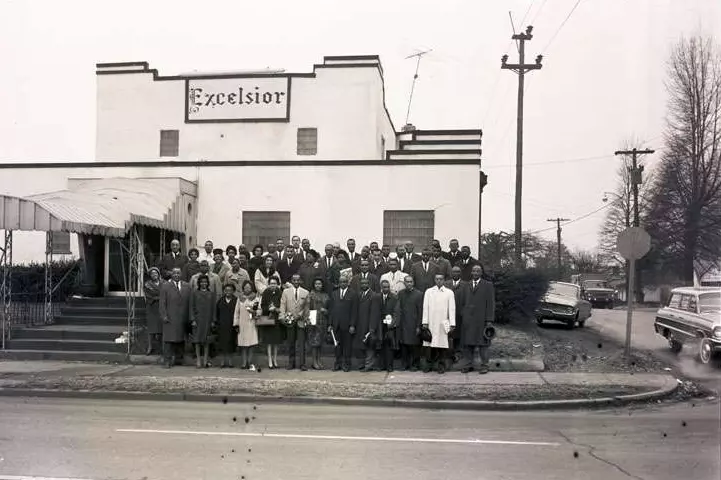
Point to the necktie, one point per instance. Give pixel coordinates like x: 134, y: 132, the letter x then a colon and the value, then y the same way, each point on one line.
x: 475, y: 284
x: 342, y: 294
x: 296, y: 294
x: 177, y: 284
x: 425, y: 267
x: 289, y: 262
x: 365, y: 275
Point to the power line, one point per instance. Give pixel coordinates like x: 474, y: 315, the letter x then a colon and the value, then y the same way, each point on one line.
x: 533, y: 20
x: 561, y: 26
x: 577, y: 219
x: 550, y: 162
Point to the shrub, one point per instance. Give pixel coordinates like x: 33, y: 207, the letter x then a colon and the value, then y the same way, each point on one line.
x: 518, y: 293
x: 29, y: 279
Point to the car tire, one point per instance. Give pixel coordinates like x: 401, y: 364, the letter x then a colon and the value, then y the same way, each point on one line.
x: 705, y: 351
x: 675, y: 345
x: 610, y: 306
x: 581, y: 324
x: 539, y: 321
x: 570, y: 324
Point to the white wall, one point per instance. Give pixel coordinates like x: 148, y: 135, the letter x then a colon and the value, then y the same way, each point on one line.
x: 327, y: 203
x: 344, y: 104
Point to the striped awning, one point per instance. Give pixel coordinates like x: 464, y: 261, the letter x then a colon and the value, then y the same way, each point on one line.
x: 108, y: 207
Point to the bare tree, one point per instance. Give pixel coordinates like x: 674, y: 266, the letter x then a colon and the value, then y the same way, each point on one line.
x: 685, y: 214
x: 588, y: 262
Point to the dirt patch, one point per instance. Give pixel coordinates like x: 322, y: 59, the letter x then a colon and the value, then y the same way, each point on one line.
x: 305, y: 388
x: 514, y: 342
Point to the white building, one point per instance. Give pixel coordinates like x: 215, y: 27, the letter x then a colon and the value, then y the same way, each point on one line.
x: 247, y: 158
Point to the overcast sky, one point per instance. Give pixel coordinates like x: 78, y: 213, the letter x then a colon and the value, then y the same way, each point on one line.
x: 601, y: 82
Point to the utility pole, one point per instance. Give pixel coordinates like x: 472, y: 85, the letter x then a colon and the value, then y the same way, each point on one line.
x: 558, y: 221
x: 521, y: 68
x: 636, y: 177
x: 636, y: 180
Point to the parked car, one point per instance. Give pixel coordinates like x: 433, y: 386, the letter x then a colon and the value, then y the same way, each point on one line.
x: 595, y: 288
x: 563, y: 303
x: 692, y: 316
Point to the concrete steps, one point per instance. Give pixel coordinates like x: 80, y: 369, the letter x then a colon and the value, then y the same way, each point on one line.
x: 66, y: 345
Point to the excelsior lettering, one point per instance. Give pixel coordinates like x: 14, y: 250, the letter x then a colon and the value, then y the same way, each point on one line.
x: 242, y: 96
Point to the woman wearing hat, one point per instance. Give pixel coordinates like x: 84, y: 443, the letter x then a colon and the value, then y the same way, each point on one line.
x: 152, y: 311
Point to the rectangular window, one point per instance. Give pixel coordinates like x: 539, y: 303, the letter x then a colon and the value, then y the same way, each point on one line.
x: 400, y: 226
x: 169, y: 143
x: 307, y: 141
x: 684, y: 302
x: 675, y: 301
x: 61, y: 243
x: 265, y: 227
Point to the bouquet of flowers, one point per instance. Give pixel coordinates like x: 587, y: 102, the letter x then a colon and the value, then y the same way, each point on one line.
x: 288, y: 319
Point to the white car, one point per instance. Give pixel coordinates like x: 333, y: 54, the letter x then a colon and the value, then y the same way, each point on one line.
x: 693, y: 316
x: 563, y: 303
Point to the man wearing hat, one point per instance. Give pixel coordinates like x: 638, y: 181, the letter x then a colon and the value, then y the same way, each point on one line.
x: 479, y: 305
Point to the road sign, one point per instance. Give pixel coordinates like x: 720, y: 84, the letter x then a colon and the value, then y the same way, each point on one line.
x: 633, y: 243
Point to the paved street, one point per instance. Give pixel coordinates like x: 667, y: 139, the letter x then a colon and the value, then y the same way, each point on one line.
x: 612, y: 324
x: 156, y: 440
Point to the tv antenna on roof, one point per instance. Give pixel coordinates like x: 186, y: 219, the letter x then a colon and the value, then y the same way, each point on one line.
x: 418, y: 56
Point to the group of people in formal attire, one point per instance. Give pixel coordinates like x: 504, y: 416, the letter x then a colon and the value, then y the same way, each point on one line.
x: 428, y: 310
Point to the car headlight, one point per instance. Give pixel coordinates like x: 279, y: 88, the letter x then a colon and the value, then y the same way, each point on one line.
x: 717, y: 332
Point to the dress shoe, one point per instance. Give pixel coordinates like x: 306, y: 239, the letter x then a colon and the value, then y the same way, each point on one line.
x: 483, y: 370
x: 290, y: 366
x: 303, y: 368
x: 466, y: 369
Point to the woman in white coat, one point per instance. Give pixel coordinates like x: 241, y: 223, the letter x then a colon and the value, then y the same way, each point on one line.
x: 439, y: 316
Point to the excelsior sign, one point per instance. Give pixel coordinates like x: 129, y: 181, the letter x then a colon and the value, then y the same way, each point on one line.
x: 238, y: 99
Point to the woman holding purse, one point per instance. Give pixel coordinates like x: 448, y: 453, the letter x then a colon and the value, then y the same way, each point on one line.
x: 271, y: 331
x: 318, y: 301
x: 244, y: 323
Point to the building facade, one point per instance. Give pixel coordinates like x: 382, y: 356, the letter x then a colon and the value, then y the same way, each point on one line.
x: 256, y: 156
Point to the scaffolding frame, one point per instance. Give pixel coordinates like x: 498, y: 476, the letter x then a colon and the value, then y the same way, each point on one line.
x: 49, y: 278
x: 6, y: 261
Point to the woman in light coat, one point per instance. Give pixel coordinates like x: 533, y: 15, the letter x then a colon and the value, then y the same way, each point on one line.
x: 247, y: 309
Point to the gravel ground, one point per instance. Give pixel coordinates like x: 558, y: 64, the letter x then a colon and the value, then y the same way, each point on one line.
x: 306, y: 388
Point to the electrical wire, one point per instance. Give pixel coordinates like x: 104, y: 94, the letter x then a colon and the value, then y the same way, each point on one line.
x: 550, y: 162
x: 577, y: 219
x: 573, y: 9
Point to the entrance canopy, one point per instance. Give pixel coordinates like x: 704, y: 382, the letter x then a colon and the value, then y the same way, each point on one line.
x: 106, y: 206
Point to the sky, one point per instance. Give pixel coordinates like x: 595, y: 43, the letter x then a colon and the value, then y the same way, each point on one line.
x: 602, y: 81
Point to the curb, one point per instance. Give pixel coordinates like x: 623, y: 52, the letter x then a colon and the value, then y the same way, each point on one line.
x: 479, y: 405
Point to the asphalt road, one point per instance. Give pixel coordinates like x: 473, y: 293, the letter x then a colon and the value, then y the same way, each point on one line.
x: 612, y: 324
x: 54, y: 438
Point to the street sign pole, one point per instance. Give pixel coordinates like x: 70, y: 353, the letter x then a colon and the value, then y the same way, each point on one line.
x: 630, y: 301
x: 633, y: 243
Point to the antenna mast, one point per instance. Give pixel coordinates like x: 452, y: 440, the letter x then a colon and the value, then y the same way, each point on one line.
x: 418, y: 56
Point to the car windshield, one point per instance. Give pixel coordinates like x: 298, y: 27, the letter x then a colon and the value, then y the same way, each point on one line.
x: 595, y: 284
x: 561, y: 289
x: 709, y: 302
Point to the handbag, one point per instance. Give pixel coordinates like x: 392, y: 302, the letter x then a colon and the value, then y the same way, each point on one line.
x: 265, y: 321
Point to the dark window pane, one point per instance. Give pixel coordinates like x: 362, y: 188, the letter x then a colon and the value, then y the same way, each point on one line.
x: 307, y: 141
x: 265, y: 227
x: 61, y: 243
x: 401, y: 226
x: 169, y: 143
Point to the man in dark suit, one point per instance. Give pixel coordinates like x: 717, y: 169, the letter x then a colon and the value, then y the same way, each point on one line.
x: 364, y: 255
x: 343, y: 320
x: 352, y: 254
x: 174, y: 259
x: 287, y: 265
x: 385, y: 253
x: 479, y: 305
x: 453, y: 255
x: 373, y: 279
x: 174, y: 313
x: 368, y: 327
x: 466, y: 263
x: 409, y: 253
x: 410, y: 317
x: 458, y: 286
x: 388, y: 340
x: 424, y: 272
x: 377, y: 265
x: 404, y: 261
x: 444, y: 266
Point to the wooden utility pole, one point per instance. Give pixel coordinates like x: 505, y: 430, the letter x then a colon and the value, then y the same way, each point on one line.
x: 636, y: 177
x: 521, y: 69
x: 636, y: 180
x: 558, y: 221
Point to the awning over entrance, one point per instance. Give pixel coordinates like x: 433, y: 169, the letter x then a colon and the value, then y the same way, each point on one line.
x: 107, y: 206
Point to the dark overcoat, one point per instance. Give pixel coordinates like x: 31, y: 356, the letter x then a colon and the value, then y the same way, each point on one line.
x: 479, y: 306
x: 174, y: 311
x: 373, y: 281
x: 424, y: 279
x: 344, y: 312
x: 369, y: 311
x: 171, y: 261
x: 389, y: 333
x: 203, y: 311
x: 152, y: 307
x: 410, y: 316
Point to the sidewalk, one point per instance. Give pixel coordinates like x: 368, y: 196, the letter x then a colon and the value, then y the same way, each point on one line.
x: 496, y: 390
